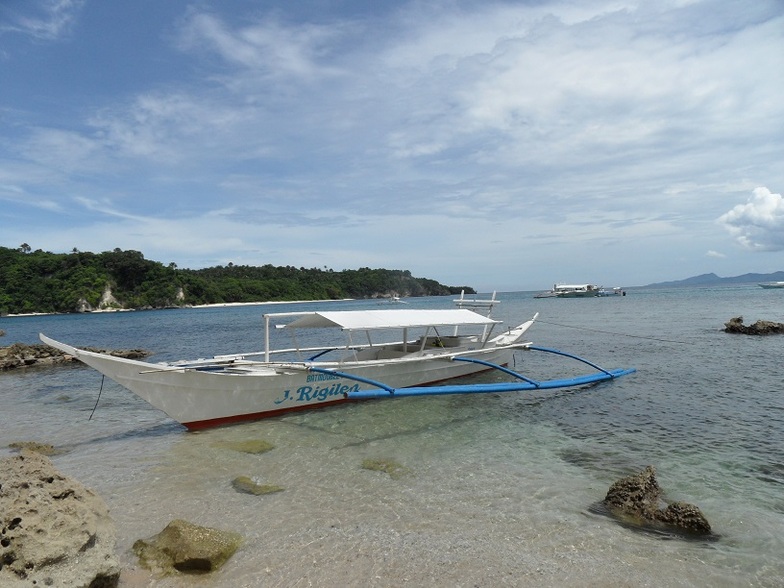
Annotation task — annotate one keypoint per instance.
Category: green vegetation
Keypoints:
(39, 281)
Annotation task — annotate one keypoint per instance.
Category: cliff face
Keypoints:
(108, 300)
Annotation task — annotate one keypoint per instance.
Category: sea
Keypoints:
(489, 489)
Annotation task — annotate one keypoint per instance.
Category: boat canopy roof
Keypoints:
(362, 320)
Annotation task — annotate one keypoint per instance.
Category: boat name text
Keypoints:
(311, 393)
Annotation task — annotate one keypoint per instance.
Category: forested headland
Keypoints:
(40, 281)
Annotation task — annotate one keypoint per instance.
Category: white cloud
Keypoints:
(61, 151)
(758, 224)
(52, 18)
(267, 46)
(615, 129)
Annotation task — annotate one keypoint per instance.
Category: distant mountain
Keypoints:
(714, 280)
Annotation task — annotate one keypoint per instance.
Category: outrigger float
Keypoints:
(445, 345)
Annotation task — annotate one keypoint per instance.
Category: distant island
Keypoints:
(44, 282)
(714, 280)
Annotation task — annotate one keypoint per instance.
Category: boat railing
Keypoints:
(398, 349)
(319, 350)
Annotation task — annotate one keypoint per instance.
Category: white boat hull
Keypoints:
(213, 395)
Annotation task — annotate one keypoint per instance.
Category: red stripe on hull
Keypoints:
(256, 416)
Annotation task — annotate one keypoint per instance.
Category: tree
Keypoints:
(40, 281)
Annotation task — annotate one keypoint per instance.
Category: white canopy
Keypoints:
(356, 320)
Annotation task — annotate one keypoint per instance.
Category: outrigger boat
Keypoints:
(233, 388)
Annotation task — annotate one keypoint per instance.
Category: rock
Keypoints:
(126, 353)
(185, 547)
(735, 325)
(389, 466)
(638, 498)
(54, 531)
(254, 446)
(250, 486)
(82, 305)
(638, 494)
(42, 448)
(683, 515)
(20, 355)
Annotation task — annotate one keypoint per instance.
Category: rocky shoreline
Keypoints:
(54, 531)
(20, 355)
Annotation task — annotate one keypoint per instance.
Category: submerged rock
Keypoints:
(185, 547)
(735, 325)
(42, 448)
(254, 446)
(638, 499)
(250, 486)
(53, 530)
(388, 466)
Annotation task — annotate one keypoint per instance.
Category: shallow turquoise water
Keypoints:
(499, 487)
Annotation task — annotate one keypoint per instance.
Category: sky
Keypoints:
(504, 145)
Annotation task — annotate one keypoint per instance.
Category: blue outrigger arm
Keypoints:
(523, 383)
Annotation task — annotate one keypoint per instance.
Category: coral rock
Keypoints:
(185, 547)
(638, 499)
(53, 530)
(735, 325)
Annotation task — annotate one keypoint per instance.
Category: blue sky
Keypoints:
(503, 145)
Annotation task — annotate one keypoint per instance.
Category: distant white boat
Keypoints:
(770, 285)
(571, 291)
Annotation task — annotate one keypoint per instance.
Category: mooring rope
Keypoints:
(613, 333)
(97, 400)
